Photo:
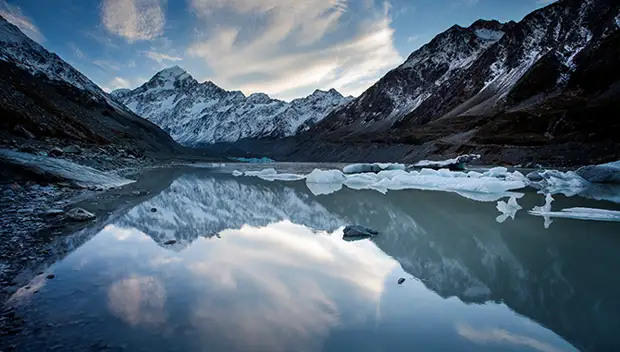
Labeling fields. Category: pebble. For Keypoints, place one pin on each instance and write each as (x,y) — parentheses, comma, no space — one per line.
(50,276)
(170,242)
(401,280)
(153,210)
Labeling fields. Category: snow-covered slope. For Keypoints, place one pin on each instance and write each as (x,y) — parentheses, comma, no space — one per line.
(17,48)
(199,113)
(481,70)
(45,95)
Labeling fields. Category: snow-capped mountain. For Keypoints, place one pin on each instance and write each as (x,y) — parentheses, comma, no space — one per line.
(487,68)
(201,113)
(49,98)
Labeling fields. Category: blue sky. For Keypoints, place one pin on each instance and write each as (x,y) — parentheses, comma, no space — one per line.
(286,48)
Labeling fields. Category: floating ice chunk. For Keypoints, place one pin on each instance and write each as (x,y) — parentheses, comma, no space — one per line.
(377,167)
(273,175)
(568,183)
(544,210)
(237,173)
(496,172)
(323,188)
(508,209)
(457,163)
(583,214)
(362,181)
(474,174)
(325,176)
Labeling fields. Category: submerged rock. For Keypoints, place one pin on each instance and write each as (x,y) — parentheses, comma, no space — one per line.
(401,280)
(153,210)
(51,276)
(79,214)
(358,232)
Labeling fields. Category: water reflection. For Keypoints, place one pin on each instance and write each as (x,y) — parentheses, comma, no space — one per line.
(279,277)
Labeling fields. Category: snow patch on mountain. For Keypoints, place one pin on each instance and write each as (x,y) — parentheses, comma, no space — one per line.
(196,113)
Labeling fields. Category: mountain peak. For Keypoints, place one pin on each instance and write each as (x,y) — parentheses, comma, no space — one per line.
(175,72)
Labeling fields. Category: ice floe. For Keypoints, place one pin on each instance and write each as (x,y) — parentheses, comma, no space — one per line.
(582,214)
(457,163)
(508,209)
(273,175)
(80,175)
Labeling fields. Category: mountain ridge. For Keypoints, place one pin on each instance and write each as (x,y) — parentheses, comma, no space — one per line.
(197,113)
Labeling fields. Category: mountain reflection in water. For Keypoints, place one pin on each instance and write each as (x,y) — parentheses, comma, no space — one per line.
(261,265)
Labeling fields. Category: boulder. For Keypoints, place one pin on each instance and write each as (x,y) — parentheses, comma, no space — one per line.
(79,214)
(55,152)
(354,231)
(21,131)
(73,149)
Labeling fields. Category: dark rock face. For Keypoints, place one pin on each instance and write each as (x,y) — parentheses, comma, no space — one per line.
(552,79)
(43,97)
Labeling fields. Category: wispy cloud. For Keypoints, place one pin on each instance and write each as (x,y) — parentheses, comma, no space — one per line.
(285,47)
(13,14)
(134,19)
(107,65)
(499,336)
(161,57)
(116,83)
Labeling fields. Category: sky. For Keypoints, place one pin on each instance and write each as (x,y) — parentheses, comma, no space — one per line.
(285,48)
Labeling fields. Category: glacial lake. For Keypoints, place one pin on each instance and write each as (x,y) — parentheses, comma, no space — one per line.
(212,262)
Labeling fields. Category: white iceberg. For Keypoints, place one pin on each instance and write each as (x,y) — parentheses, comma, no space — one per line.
(457,163)
(376,167)
(273,175)
(325,176)
(508,209)
(237,173)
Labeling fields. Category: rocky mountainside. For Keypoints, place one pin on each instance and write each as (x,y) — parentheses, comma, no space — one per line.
(200,113)
(45,100)
(551,78)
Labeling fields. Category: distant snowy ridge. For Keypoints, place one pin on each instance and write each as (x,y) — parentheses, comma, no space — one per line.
(196,113)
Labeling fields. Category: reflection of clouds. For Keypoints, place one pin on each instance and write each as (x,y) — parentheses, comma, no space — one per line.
(138,300)
(124,234)
(293,278)
(499,336)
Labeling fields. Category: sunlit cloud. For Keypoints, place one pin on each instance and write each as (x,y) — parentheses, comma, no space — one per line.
(284,48)
(298,274)
(138,300)
(14,15)
(117,83)
(134,19)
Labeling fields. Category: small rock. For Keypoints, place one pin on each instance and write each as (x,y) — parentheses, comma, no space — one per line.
(21,131)
(79,214)
(50,276)
(55,152)
(359,231)
(401,280)
(73,149)
(170,242)
(153,210)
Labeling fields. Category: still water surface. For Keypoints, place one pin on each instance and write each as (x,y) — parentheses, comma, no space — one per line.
(261,266)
